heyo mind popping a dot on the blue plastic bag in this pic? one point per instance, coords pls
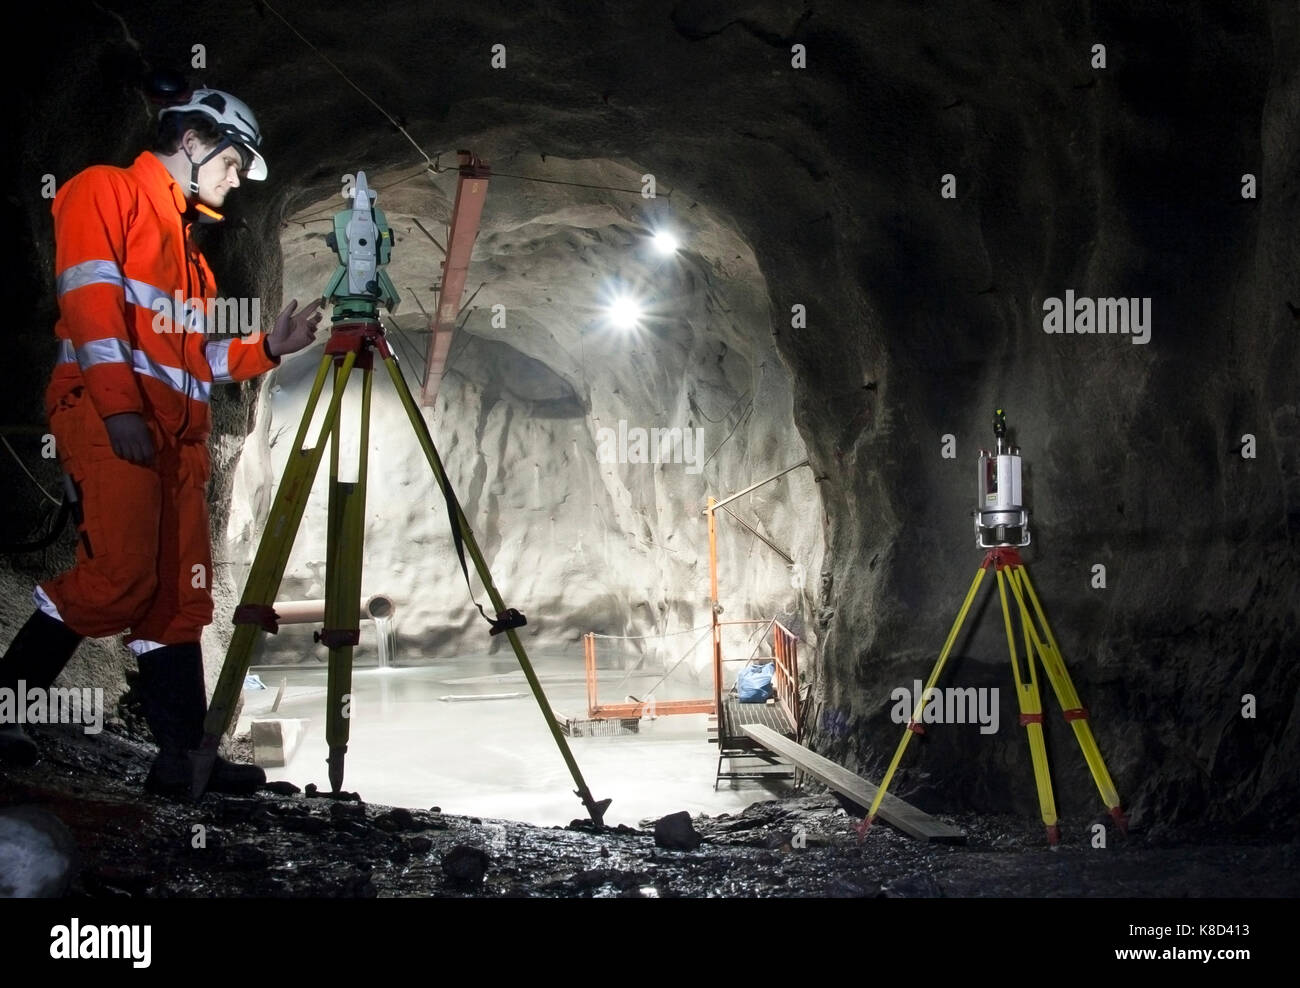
(754, 684)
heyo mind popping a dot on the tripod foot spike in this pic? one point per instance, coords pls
(1121, 820)
(596, 809)
(335, 762)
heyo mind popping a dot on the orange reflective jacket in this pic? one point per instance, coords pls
(122, 255)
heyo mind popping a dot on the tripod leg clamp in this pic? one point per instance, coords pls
(507, 619)
(259, 614)
(337, 637)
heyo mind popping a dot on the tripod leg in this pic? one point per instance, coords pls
(595, 808)
(268, 568)
(914, 726)
(343, 564)
(1067, 696)
(1031, 711)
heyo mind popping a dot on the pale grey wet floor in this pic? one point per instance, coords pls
(496, 757)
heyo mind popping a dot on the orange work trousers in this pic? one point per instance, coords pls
(144, 557)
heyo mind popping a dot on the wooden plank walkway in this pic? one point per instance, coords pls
(904, 816)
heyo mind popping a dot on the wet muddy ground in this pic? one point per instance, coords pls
(308, 845)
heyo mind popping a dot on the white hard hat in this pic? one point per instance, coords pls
(235, 121)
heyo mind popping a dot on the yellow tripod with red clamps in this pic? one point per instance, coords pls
(1002, 527)
(363, 239)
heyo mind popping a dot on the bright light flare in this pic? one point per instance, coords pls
(625, 311)
(665, 243)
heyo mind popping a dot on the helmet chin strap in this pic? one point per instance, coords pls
(196, 165)
(205, 213)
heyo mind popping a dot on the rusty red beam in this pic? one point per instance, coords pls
(466, 212)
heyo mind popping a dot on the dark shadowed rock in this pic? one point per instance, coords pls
(917, 886)
(305, 823)
(675, 832)
(348, 811)
(465, 864)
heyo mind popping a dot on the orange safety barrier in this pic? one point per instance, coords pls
(785, 653)
(785, 681)
(611, 711)
(785, 646)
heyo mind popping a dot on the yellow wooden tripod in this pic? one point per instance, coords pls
(1039, 641)
(352, 344)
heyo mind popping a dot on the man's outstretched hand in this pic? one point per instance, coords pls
(294, 330)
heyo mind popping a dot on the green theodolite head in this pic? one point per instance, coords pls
(363, 241)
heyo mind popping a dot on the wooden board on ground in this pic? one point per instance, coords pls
(904, 816)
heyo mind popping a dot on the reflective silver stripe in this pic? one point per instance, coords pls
(42, 600)
(151, 297)
(113, 351)
(137, 292)
(174, 377)
(142, 646)
(89, 273)
(218, 355)
(109, 351)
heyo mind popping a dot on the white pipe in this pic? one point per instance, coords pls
(312, 611)
(753, 487)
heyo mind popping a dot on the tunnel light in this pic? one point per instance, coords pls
(624, 311)
(665, 243)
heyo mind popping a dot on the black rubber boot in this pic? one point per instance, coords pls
(35, 658)
(175, 704)
(16, 748)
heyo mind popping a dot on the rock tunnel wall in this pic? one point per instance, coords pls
(545, 420)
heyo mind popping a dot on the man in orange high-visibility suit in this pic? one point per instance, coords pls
(128, 407)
